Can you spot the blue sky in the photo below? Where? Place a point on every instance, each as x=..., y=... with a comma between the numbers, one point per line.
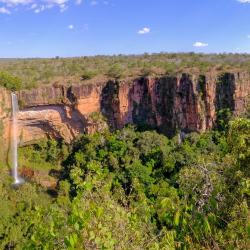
x=48, y=28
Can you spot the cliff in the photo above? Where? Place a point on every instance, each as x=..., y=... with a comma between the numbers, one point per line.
x=170, y=103
x=5, y=108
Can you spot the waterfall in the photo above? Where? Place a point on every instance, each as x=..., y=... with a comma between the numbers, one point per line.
x=15, y=109
x=181, y=137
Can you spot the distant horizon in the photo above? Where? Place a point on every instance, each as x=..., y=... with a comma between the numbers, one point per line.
x=130, y=55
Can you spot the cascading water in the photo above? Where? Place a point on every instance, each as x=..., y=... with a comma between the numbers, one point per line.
x=15, y=109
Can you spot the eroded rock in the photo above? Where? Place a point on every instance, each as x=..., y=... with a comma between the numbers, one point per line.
x=170, y=103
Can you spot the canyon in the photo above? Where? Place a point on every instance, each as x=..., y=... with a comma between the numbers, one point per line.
x=184, y=102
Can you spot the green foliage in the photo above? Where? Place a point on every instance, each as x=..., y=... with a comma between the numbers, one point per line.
x=97, y=117
x=10, y=82
x=239, y=141
x=135, y=190
x=223, y=117
x=88, y=74
x=17, y=211
x=148, y=71
x=34, y=72
x=115, y=71
x=46, y=154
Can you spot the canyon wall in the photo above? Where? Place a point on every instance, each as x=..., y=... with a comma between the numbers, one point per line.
x=170, y=103
x=5, y=116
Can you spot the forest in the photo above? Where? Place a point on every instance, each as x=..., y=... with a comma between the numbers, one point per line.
x=133, y=189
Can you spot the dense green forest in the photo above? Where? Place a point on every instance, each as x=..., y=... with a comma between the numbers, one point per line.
x=34, y=72
x=133, y=189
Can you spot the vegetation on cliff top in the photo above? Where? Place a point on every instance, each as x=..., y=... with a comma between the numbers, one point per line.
x=34, y=72
x=10, y=82
x=134, y=190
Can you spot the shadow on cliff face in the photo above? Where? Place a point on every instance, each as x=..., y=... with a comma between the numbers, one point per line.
x=225, y=90
x=224, y=99
x=70, y=95
x=141, y=105
x=168, y=103
x=163, y=104
x=202, y=89
x=37, y=119
x=187, y=106
x=110, y=104
x=165, y=91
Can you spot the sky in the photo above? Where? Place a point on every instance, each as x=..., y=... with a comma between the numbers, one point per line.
x=65, y=28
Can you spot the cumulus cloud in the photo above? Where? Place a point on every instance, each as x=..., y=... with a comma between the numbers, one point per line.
x=3, y=10
x=200, y=44
x=244, y=1
x=144, y=30
x=37, y=5
x=16, y=2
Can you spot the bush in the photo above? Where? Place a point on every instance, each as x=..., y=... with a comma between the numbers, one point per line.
x=88, y=74
x=115, y=71
x=147, y=71
x=10, y=82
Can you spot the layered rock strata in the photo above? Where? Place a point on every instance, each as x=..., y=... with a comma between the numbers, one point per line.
x=168, y=103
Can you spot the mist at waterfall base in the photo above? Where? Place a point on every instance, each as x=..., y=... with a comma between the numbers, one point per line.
x=15, y=110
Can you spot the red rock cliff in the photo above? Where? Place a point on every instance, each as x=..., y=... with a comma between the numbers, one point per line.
x=5, y=108
x=184, y=102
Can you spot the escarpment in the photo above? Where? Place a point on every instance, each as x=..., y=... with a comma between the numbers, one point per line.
x=5, y=133
x=185, y=102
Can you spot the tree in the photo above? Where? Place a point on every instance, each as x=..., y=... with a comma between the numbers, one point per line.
x=10, y=82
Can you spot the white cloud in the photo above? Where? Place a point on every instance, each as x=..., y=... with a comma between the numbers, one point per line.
x=244, y=1
x=144, y=30
x=200, y=44
x=16, y=2
x=38, y=5
x=33, y=6
x=248, y=36
x=78, y=2
x=71, y=27
x=3, y=10
x=41, y=8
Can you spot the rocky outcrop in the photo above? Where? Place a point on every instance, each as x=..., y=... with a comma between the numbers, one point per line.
x=170, y=103
x=59, y=112
x=57, y=121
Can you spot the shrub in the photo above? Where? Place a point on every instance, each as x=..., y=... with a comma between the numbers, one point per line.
x=115, y=71
x=10, y=82
x=88, y=74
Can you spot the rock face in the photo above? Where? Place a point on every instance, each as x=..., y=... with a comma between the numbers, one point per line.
x=5, y=117
x=185, y=102
x=59, y=112
x=170, y=103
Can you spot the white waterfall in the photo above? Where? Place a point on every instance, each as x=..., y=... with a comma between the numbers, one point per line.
x=15, y=110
